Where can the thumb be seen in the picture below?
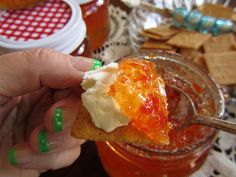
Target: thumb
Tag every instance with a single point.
(26, 71)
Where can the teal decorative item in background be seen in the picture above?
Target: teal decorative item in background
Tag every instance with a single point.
(194, 20)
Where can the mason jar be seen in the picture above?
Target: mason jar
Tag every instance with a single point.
(189, 146)
(17, 4)
(96, 16)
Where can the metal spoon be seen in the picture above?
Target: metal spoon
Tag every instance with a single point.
(182, 110)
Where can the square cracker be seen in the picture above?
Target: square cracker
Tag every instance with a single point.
(222, 66)
(188, 39)
(153, 44)
(154, 36)
(233, 17)
(84, 128)
(162, 30)
(199, 60)
(221, 43)
(188, 53)
(216, 10)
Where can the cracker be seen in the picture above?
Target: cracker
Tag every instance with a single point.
(84, 128)
(155, 36)
(153, 44)
(216, 10)
(163, 31)
(221, 43)
(199, 60)
(222, 66)
(188, 53)
(233, 17)
(188, 39)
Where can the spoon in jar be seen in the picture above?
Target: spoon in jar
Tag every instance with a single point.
(182, 110)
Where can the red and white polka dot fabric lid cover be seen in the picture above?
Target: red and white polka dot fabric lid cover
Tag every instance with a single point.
(56, 24)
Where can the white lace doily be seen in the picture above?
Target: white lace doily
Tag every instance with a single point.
(222, 159)
(118, 44)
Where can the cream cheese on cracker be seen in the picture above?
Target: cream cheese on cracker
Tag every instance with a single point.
(103, 108)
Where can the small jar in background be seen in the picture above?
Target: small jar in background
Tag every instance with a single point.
(96, 17)
(84, 49)
(52, 24)
(189, 146)
(17, 4)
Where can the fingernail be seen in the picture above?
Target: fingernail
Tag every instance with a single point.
(63, 118)
(96, 64)
(50, 142)
(19, 155)
(42, 141)
(58, 118)
(11, 156)
(85, 64)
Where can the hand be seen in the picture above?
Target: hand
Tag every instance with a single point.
(39, 96)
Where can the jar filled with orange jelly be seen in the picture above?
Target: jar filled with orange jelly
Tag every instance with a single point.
(52, 24)
(17, 4)
(189, 147)
(96, 17)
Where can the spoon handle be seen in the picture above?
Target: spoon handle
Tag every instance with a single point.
(216, 123)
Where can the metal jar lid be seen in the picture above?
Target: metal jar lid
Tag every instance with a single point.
(51, 24)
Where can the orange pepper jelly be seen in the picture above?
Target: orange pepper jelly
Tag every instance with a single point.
(140, 92)
(16, 4)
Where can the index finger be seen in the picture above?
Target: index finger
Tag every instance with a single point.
(26, 71)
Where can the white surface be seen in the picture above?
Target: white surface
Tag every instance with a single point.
(132, 3)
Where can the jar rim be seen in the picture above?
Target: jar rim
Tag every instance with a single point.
(219, 106)
(63, 40)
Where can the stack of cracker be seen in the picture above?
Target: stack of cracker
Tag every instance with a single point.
(217, 54)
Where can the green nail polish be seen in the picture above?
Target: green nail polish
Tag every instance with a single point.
(42, 141)
(97, 64)
(11, 155)
(58, 120)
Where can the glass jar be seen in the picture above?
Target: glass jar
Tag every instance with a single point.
(96, 16)
(6, 4)
(84, 49)
(52, 24)
(189, 147)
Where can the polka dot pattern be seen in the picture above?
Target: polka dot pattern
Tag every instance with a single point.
(36, 22)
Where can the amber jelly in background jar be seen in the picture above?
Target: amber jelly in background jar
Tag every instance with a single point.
(52, 24)
(189, 147)
(96, 17)
(17, 4)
